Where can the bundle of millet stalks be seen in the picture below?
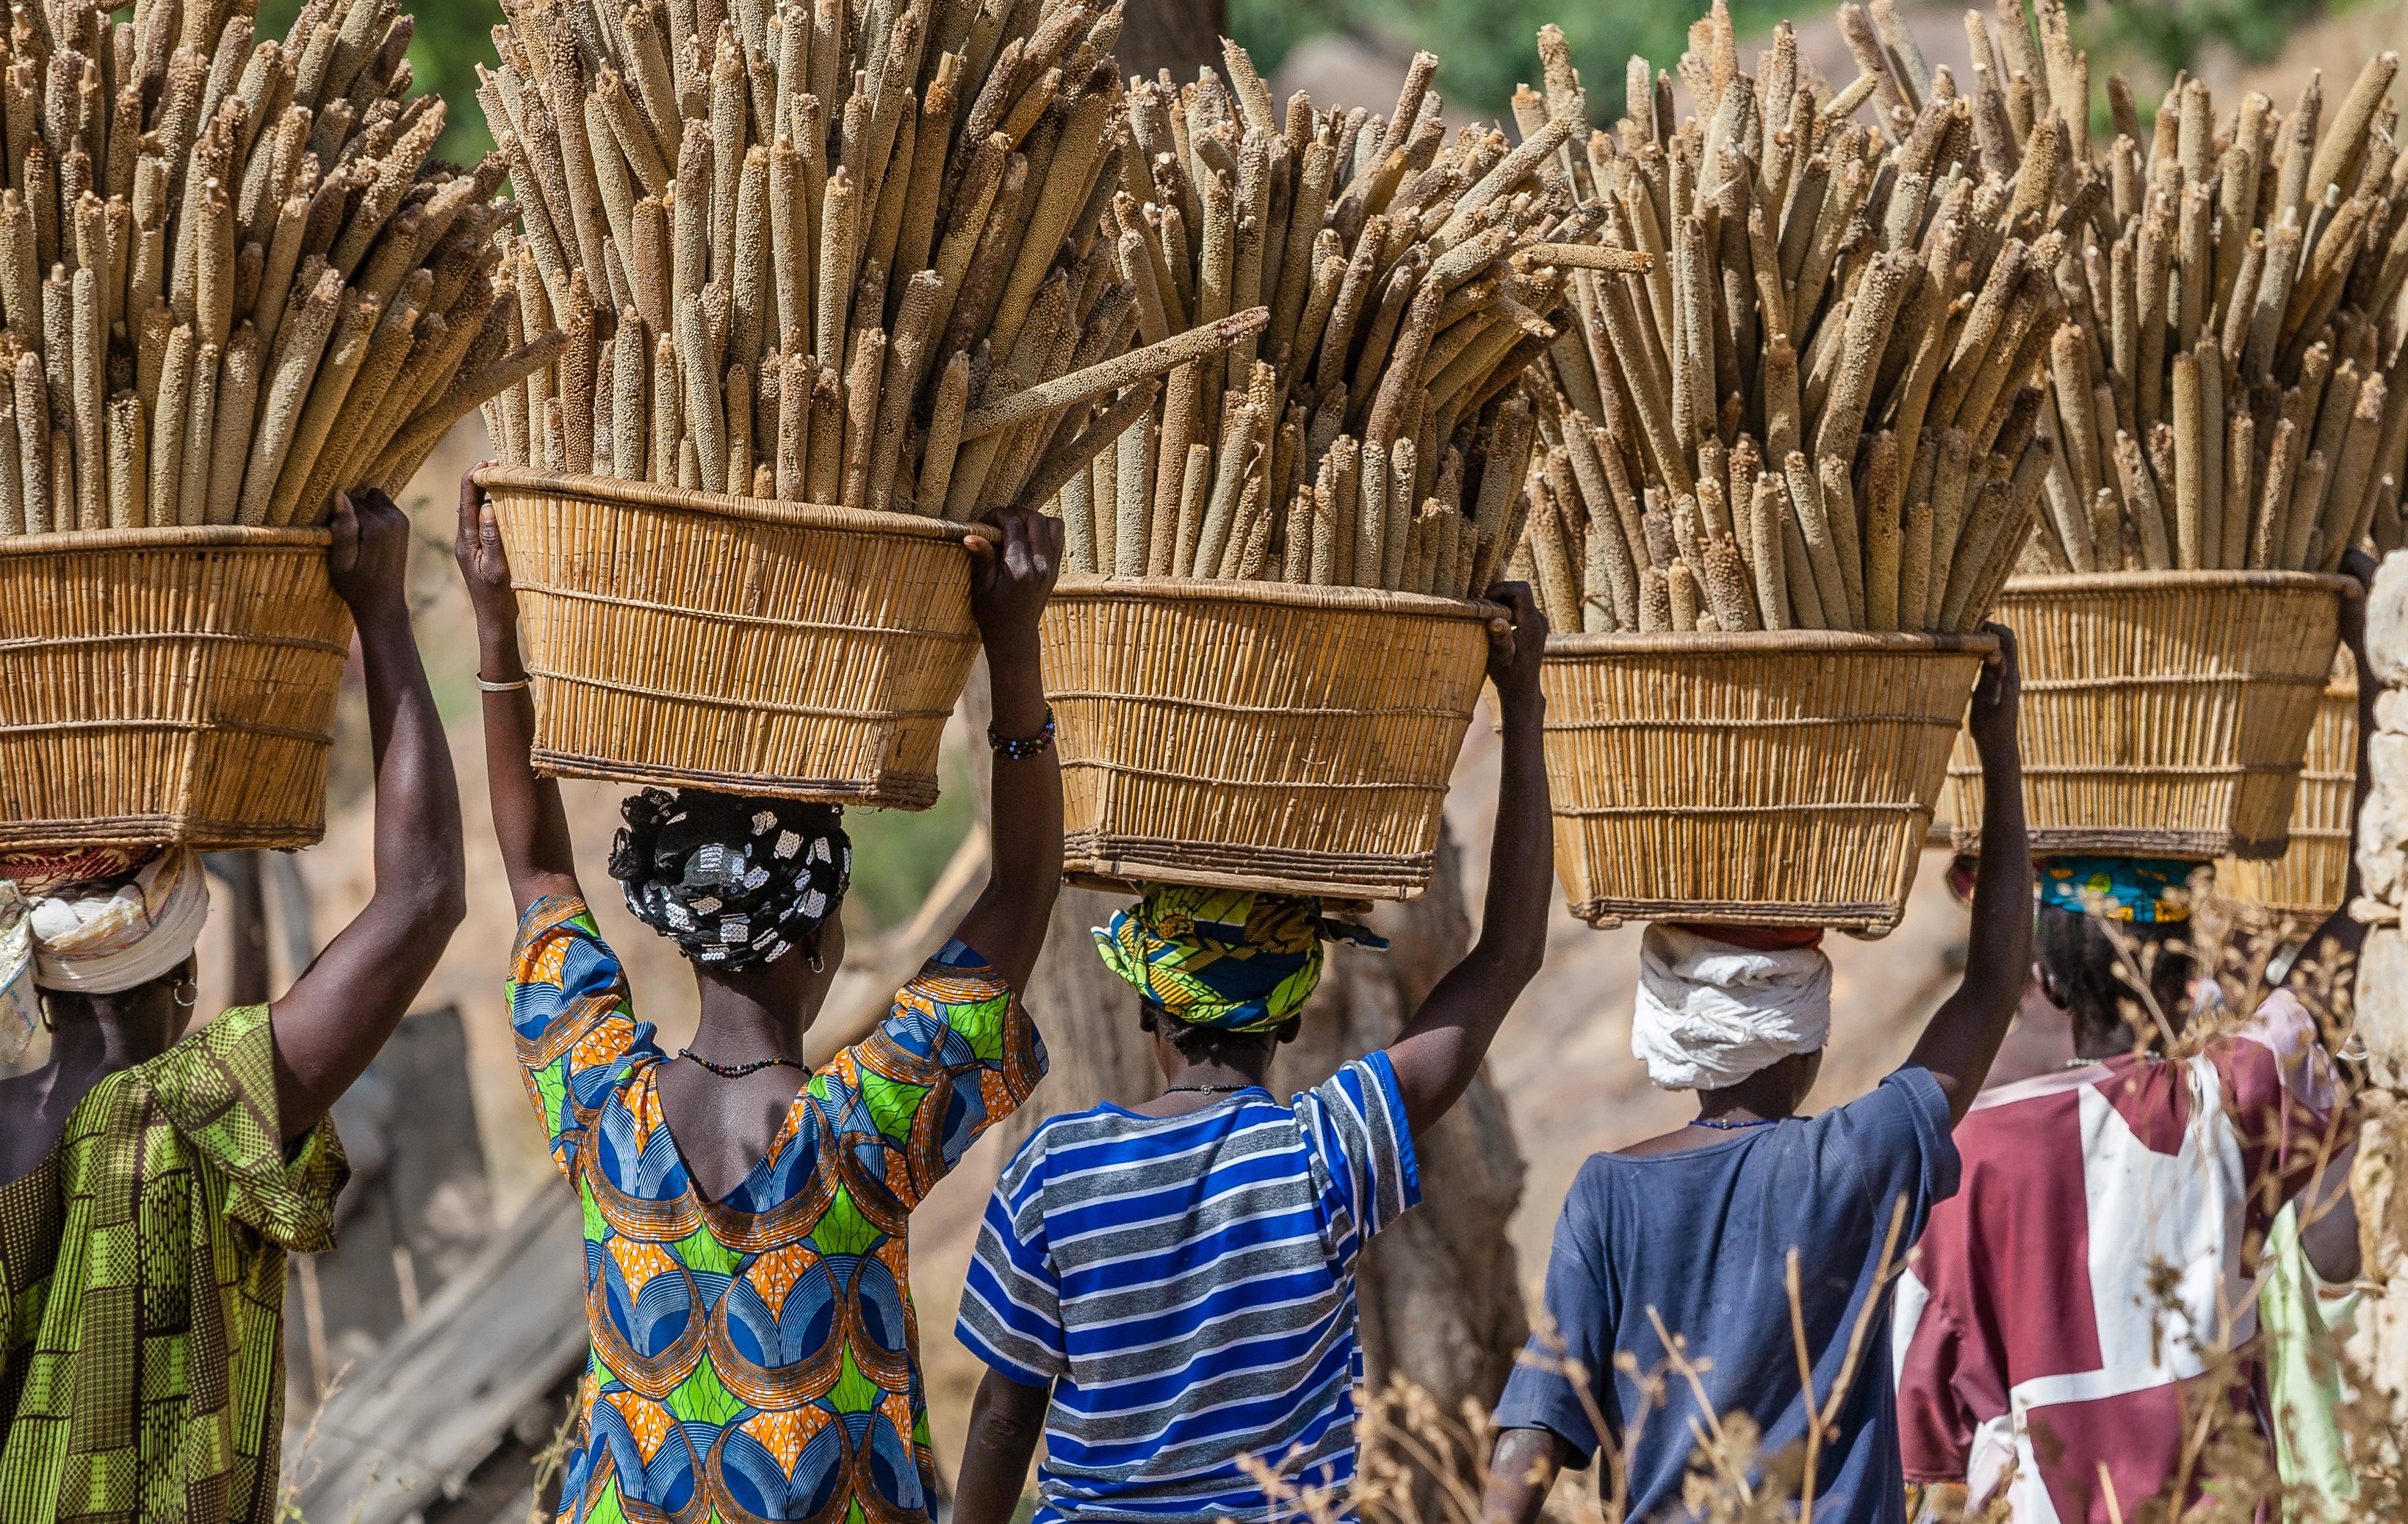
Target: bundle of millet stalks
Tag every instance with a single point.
(818, 252)
(1372, 435)
(1822, 407)
(2227, 393)
(211, 252)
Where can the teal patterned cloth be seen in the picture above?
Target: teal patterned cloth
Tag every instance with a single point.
(2136, 888)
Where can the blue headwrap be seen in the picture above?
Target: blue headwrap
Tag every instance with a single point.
(1223, 958)
(2147, 890)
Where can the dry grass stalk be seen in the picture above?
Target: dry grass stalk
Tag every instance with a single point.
(224, 227)
(1370, 432)
(1816, 344)
(883, 202)
(2238, 281)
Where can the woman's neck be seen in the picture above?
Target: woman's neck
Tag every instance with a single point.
(2096, 1047)
(85, 1048)
(1215, 1076)
(98, 1037)
(739, 1022)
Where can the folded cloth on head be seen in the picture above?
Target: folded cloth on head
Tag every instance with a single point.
(98, 941)
(1710, 1013)
(1223, 958)
(2142, 890)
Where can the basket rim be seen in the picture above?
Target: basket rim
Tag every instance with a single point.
(168, 537)
(512, 478)
(2226, 579)
(1772, 643)
(1276, 594)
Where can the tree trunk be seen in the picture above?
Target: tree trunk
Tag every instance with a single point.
(1088, 1015)
(1439, 1292)
(1181, 35)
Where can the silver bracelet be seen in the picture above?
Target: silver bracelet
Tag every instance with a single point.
(514, 686)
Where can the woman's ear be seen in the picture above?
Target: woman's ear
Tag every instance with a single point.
(1288, 1030)
(2049, 986)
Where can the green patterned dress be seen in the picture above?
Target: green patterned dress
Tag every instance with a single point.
(756, 1358)
(142, 1291)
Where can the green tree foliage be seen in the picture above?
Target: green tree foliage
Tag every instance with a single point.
(2162, 36)
(452, 37)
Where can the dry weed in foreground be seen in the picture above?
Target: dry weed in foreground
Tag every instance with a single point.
(1420, 1464)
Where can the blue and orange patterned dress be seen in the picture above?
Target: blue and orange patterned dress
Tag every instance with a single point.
(756, 1358)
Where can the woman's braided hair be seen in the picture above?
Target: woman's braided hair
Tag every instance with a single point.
(734, 881)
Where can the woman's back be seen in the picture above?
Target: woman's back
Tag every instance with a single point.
(1186, 1286)
(754, 1352)
(142, 1283)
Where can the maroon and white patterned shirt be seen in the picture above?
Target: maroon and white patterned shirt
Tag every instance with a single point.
(2028, 1328)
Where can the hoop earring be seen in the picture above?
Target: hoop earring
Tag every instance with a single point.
(818, 967)
(183, 1000)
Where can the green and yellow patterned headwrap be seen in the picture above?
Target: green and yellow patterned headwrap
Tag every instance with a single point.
(1223, 958)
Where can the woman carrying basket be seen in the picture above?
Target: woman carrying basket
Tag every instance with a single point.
(1164, 1294)
(1755, 1241)
(747, 1286)
(155, 1181)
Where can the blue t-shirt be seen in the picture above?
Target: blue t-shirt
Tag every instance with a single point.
(1703, 1237)
(1185, 1284)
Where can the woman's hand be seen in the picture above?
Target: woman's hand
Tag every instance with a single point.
(484, 566)
(1010, 581)
(2362, 567)
(369, 558)
(1997, 694)
(1516, 642)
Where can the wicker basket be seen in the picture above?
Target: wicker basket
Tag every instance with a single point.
(1767, 778)
(1258, 735)
(167, 685)
(2164, 713)
(691, 639)
(2305, 884)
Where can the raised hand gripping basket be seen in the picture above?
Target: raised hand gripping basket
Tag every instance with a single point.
(2305, 884)
(2164, 713)
(167, 685)
(1774, 777)
(690, 639)
(1258, 734)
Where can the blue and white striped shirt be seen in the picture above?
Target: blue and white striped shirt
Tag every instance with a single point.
(1187, 1286)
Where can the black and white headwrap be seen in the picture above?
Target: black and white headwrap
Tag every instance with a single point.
(734, 881)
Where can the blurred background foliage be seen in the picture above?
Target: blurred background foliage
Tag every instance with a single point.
(1487, 44)
(452, 37)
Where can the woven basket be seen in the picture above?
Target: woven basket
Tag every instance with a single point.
(167, 685)
(688, 639)
(1257, 734)
(1765, 778)
(2305, 884)
(2164, 713)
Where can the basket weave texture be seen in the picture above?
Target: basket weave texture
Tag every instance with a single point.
(1258, 735)
(1780, 777)
(167, 685)
(688, 639)
(2164, 713)
(2305, 884)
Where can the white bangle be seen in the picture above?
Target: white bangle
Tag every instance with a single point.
(516, 685)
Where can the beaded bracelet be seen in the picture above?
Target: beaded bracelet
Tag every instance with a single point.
(1023, 750)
